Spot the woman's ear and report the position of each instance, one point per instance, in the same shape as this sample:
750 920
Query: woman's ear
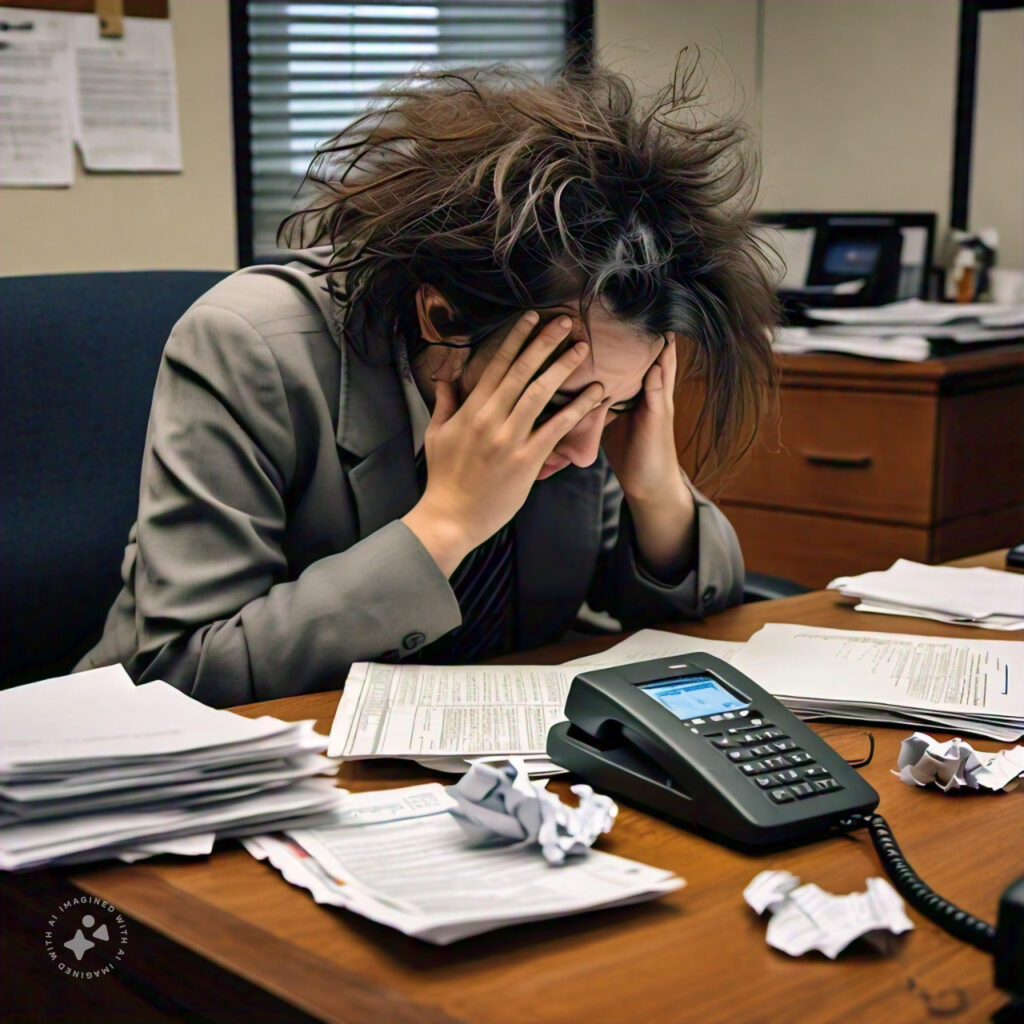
445 359
434 313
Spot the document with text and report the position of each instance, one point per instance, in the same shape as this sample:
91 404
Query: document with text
444 710
975 685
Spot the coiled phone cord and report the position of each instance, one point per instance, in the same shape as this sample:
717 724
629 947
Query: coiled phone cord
948 916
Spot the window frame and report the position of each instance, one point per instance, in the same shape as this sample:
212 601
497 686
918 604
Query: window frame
579 40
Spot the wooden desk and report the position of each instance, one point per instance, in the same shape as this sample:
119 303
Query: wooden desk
876 460
696 955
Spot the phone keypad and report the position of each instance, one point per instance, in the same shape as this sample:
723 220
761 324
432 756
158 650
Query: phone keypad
771 760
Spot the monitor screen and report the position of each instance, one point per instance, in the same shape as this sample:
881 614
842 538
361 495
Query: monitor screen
693 696
854 258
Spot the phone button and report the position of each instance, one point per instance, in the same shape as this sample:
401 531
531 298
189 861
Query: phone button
802 789
815 771
781 796
799 757
739 755
826 785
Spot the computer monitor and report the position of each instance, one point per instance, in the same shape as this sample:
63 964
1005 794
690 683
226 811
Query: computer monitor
852 258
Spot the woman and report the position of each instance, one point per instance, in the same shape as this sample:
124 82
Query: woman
392 447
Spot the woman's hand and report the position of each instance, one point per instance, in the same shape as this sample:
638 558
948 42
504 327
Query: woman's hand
641 449
484 456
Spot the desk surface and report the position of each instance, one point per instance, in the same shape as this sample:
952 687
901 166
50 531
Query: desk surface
696 955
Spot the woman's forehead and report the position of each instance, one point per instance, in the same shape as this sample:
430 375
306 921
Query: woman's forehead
619 358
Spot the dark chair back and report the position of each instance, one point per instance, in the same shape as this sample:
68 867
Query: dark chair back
80 356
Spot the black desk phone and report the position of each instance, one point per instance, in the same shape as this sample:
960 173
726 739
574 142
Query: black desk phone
693 739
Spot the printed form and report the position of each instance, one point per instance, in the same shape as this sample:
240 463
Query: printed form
428 710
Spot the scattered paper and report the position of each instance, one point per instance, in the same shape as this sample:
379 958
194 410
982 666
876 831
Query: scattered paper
806 917
35 89
648 644
955 765
915 313
418 711
504 803
198 845
417 872
967 686
903 348
988 598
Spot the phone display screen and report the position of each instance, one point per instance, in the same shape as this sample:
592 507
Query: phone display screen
693 696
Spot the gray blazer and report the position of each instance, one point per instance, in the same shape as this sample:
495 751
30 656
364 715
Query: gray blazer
268 554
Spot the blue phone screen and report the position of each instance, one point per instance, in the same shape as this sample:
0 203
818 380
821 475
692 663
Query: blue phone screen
693 696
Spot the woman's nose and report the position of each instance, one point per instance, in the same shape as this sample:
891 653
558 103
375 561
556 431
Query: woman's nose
581 445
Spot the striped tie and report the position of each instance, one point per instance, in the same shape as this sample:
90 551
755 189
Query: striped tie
483 586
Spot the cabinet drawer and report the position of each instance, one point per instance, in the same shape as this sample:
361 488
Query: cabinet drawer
853 453
815 549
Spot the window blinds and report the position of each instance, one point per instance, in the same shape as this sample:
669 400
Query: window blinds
312 65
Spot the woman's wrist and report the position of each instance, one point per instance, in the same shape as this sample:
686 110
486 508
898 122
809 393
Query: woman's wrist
445 540
666 530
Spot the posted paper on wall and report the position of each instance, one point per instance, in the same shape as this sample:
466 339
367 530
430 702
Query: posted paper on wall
126 98
35 90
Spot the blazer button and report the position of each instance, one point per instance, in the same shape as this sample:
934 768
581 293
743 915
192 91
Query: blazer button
413 640
710 593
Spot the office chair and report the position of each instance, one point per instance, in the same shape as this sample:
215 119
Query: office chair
80 356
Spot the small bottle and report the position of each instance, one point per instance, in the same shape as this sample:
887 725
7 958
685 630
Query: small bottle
964 275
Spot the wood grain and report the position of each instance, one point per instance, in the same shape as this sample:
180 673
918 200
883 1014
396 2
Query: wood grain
836 454
132 8
814 549
696 955
873 460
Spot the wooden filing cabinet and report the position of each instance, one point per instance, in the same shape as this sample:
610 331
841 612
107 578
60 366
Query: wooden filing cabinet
878 460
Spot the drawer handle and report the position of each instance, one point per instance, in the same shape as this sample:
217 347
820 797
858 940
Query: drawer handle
838 461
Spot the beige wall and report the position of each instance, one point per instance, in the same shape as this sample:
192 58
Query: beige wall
642 39
145 221
997 165
854 99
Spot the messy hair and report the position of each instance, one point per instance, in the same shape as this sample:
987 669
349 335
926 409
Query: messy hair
506 193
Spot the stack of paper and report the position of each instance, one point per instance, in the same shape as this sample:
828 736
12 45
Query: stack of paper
966 686
398 857
93 766
909 331
981 597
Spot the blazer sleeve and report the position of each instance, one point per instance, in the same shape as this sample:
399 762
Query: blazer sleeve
216 613
624 589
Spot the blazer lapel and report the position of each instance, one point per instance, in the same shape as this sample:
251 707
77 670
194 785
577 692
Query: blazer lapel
373 428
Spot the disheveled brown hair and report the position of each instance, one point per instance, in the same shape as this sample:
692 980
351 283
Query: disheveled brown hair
506 194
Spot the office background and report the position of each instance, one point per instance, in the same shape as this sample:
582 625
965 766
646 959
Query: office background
852 102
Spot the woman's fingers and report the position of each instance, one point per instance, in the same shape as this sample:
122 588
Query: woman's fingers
659 381
513 367
505 356
446 402
549 433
